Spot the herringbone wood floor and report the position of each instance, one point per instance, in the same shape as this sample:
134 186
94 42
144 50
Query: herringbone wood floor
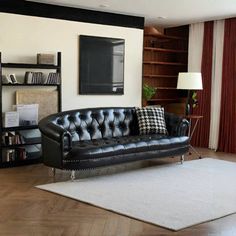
25 210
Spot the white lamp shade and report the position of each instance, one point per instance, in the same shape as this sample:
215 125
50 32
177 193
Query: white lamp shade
190 81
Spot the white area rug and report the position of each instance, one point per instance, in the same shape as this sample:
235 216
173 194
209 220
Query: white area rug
173 196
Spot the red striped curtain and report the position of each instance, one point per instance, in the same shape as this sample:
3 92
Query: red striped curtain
201 134
227 134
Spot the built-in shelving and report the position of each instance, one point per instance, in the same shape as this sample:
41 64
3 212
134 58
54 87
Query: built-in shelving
166 88
164 56
163 99
165 50
160 76
164 36
165 63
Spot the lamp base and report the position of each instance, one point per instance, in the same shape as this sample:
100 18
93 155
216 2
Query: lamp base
188 101
187 109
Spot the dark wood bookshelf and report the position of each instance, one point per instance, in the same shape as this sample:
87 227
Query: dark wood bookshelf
163 99
165 63
165 50
160 76
164 56
164 36
166 88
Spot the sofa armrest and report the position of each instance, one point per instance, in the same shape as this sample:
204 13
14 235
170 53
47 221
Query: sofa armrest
182 128
56 133
176 125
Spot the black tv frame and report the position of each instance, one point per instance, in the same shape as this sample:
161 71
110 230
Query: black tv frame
82 90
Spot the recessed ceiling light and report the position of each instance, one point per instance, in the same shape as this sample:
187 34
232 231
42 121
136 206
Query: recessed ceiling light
103 5
161 17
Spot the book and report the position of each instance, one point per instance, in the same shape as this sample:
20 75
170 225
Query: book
53 78
21 153
11 138
28 114
9 155
11 119
43 58
34 77
32 151
30 136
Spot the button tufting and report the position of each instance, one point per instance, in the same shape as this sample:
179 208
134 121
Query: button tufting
70 118
79 130
122 125
59 122
90 129
81 117
111 125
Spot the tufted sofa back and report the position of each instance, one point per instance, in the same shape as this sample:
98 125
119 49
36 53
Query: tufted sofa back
97 123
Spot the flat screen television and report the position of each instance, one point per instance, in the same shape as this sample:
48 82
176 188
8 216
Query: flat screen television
101 65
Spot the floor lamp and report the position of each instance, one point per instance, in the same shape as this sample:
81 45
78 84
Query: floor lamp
190 81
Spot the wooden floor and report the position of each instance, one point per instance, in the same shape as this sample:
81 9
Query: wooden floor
25 210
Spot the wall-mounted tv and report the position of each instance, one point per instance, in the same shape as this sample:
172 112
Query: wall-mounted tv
101 65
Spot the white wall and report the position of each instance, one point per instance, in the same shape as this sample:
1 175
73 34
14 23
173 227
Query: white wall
22 37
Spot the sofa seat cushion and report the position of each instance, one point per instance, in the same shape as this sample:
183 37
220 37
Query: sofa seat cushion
92 149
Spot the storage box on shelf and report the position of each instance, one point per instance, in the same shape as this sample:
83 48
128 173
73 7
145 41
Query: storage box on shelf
165 55
21 145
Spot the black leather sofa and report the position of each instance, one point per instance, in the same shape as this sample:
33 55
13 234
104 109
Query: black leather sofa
89 138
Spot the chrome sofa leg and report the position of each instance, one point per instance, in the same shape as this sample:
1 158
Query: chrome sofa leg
182 159
53 172
72 175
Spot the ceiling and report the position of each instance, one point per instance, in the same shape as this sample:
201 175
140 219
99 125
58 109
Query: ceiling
159 12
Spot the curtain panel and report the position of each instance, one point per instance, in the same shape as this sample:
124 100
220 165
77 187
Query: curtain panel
201 134
195 43
227 132
218 44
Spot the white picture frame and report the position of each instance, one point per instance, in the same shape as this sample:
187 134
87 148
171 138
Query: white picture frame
12 78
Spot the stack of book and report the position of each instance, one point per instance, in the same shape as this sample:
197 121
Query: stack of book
40 78
21 137
30 136
33 151
9 155
53 78
11 138
22 153
34 77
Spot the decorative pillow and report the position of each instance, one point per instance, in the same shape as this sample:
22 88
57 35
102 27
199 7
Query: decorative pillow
151 120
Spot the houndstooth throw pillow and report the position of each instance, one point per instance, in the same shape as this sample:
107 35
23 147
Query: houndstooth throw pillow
151 120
